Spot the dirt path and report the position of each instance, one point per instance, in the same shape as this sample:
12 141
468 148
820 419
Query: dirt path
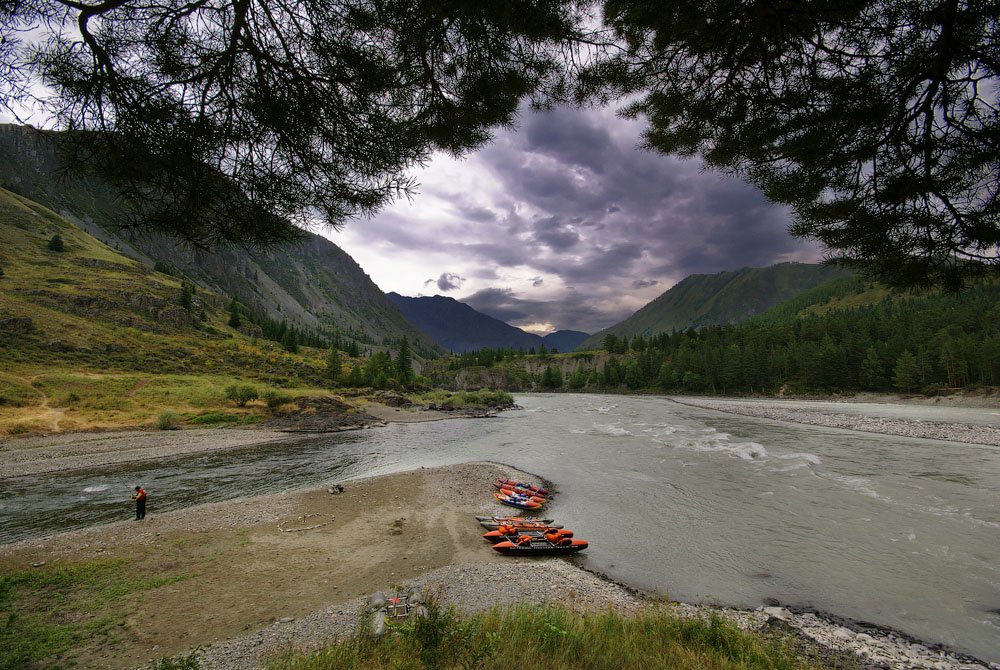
49 415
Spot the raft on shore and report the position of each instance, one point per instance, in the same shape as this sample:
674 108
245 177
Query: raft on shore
540 547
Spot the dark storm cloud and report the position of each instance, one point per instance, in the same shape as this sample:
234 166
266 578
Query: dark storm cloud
598 264
686 220
570 138
573 311
556 235
568 196
504 255
500 303
448 281
475 213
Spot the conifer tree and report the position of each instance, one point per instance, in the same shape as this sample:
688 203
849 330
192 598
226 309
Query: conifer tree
334 365
906 372
404 362
352 349
290 341
551 377
872 377
187 296
234 314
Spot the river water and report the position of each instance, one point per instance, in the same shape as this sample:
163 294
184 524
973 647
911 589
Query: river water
691 503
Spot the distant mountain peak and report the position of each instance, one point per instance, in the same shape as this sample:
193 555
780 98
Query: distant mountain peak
458 327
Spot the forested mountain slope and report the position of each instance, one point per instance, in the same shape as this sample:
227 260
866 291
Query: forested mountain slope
68 300
725 297
847 335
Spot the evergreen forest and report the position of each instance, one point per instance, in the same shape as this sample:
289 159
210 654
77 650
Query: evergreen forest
844 336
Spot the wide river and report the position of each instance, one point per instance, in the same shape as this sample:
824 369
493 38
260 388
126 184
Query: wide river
695 504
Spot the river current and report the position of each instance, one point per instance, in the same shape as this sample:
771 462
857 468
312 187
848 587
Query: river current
691 503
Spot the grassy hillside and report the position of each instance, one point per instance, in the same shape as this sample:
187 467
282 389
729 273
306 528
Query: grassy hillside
92 339
838 294
726 297
312 285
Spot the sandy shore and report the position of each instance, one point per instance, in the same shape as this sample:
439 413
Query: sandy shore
273 565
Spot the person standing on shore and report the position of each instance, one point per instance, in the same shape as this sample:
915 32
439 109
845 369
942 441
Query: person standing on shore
140 503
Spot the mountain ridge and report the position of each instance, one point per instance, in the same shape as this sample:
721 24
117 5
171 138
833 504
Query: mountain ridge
458 327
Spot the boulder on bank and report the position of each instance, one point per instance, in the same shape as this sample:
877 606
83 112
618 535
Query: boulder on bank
392 399
321 414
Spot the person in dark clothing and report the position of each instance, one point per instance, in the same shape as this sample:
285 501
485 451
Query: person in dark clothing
140 503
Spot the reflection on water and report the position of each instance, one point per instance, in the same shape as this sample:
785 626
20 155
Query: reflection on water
688 502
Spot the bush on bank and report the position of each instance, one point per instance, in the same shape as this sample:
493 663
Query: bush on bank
481 398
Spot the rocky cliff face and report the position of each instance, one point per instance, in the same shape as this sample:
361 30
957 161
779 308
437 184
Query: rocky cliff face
27 157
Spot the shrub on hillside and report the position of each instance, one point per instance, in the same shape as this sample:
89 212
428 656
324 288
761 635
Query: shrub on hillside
275 399
218 418
168 421
241 394
160 266
55 243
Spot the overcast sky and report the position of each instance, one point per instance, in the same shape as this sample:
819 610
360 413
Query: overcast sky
563 223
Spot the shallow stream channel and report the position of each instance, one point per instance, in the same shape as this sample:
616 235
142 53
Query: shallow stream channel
691 503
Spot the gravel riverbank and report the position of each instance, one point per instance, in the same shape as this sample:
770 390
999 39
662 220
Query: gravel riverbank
827 640
793 412
59 452
75 451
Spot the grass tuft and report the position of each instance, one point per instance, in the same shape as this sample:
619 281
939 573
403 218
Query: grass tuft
556 637
46 612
